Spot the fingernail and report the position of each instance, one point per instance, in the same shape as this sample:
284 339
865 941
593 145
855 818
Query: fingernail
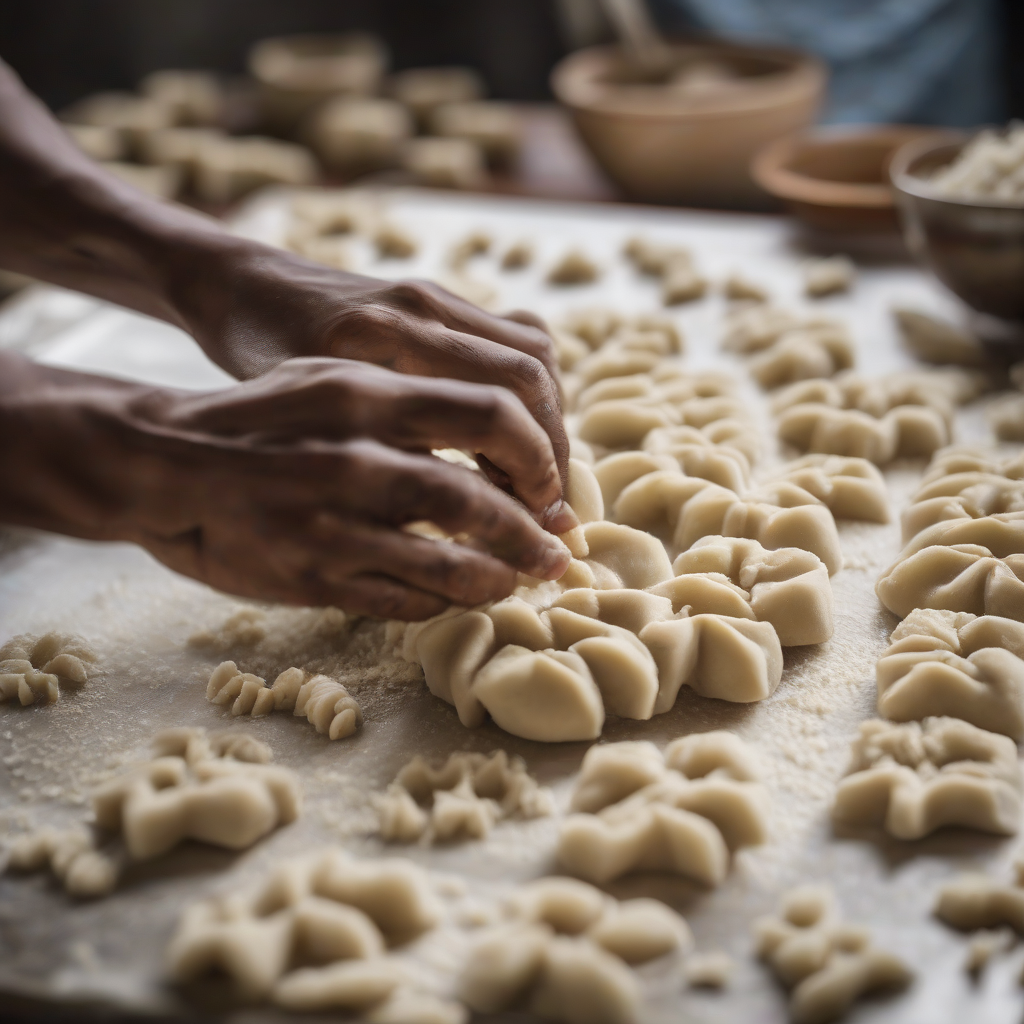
560 518
553 561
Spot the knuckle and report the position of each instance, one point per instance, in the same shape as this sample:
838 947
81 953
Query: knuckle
414 294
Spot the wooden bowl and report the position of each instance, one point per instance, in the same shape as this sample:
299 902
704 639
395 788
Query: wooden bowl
696 150
836 179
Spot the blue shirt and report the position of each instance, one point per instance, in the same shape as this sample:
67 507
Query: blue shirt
911 61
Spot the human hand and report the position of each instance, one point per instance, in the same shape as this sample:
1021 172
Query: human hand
293 487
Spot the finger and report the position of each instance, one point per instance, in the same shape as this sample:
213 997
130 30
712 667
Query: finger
396 487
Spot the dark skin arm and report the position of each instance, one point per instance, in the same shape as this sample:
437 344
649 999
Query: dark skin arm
309 456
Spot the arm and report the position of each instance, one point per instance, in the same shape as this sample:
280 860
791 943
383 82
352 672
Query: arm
294 487
64 219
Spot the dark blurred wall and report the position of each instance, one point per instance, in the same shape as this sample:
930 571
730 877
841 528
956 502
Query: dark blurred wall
65 49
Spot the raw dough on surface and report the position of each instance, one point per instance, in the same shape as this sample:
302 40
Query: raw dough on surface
828 276
73 857
955 664
313 935
1006 417
217 789
828 965
739 288
465 797
517 256
496 128
685 810
672 264
852 488
34 668
563 952
975 900
394 243
322 700
709 970
909 414
444 163
938 341
912 779
961 565
574 268
356 134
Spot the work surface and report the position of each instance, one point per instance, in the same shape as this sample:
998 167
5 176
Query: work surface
139 616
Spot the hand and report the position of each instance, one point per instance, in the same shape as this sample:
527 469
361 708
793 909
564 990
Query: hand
259 306
294 487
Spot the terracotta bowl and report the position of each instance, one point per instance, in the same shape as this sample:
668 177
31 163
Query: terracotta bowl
975 247
836 179
696 150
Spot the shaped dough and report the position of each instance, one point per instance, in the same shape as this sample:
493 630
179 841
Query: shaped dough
972 901
326 909
466 796
72 856
574 268
851 488
828 276
214 799
968 495
962 565
938 341
641 812
956 664
914 778
34 668
322 700
827 964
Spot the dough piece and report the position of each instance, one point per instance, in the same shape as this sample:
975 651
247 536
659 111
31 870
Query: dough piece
356 134
407 1006
681 283
563 952
654 258
912 779
496 128
852 488
956 664
962 565
444 163
517 256
322 700
983 947
35 668
938 341
574 268
803 353
476 243
194 97
99 142
72 856
1006 417
828 965
132 116
244 628
636 814
975 900
709 970
987 170
738 288
394 243
466 796
828 276
967 495
424 90
958 459
213 799
754 328
228 167
326 909
879 419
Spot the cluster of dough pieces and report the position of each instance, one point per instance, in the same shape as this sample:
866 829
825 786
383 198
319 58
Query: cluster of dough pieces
326 932
34 668
827 963
214 788
953 675
323 701
461 799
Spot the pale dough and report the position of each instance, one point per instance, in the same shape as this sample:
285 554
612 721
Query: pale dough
828 965
495 127
739 288
709 970
461 799
444 163
989 168
72 856
476 243
958 664
685 810
323 701
34 668
912 779
355 134
424 90
673 264
574 268
972 901
517 256
828 276
938 341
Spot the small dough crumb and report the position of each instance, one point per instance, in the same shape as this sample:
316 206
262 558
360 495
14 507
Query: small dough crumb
394 243
518 255
72 856
741 289
985 945
444 163
828 276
